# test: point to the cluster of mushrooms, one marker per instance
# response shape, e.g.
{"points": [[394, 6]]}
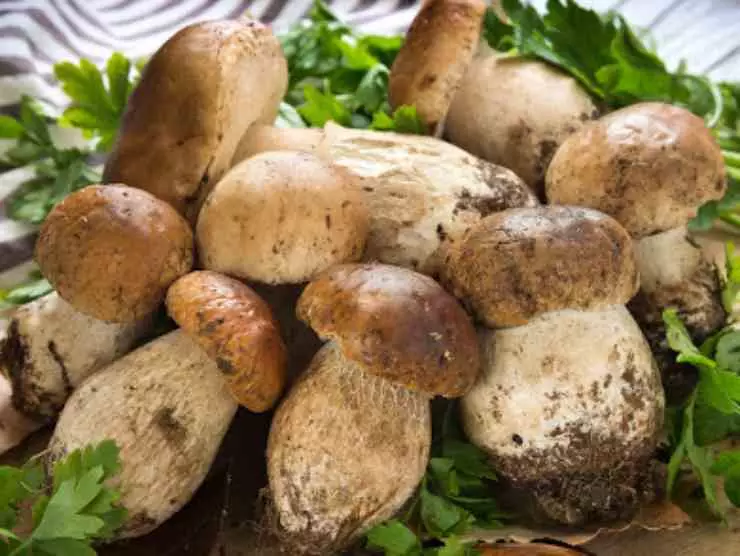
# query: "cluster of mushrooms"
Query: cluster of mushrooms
{"points": [[521, 265]]}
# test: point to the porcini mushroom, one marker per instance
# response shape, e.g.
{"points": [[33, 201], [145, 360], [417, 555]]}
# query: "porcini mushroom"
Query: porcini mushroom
{"points": [[282, 217], [350, 442], [438, 49], [569, 405], [421, 193], [167, 405], [198, 95], [650, 166], [111, 251], [508, 110]]}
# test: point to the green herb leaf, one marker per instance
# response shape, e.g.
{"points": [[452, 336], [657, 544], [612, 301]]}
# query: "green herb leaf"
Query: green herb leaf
{"points": [[10, 128], [394, 539], [441, 517]]}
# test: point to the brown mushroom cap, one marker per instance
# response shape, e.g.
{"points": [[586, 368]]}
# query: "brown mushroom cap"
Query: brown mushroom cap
{"points": [[111, 251], [198, 95], [236, 328], [649, 165], [395, 323], [432, 61], [520, 263], [282, 217]]}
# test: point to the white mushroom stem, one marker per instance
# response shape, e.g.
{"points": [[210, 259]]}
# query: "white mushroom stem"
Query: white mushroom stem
{"points": [[422, 193], [346, 450], [50, 348], [677, 272], [167, 407], [569, 407]]}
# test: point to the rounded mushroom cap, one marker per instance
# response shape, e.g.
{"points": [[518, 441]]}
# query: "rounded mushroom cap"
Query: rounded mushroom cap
{"points": [[198, 95], [520, 263], [237, 329], [438, 49], [395, 323], [282, 217], [516, 112], [570, 408], [649, 165], [111, 251]]}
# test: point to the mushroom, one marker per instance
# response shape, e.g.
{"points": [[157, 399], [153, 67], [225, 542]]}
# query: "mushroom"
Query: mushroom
{"points": [[111, 251], [421, 193], [650, 166], [198, 95], [569, 405], [438, 49], [168, 404], [50, 348], [350, 442], [508, 110], [281, 218]]}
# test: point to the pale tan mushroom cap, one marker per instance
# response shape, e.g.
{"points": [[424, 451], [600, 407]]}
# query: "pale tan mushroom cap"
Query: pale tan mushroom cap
{"points": [[111, 251], [520, 263], [438, 49], [649, 165], [197, 96], [282, 217]]}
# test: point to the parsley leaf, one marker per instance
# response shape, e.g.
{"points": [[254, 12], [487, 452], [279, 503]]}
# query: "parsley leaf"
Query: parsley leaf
{"points": [[394, 539]]}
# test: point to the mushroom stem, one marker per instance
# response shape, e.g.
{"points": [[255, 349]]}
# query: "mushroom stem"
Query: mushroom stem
{"points": [[676, 272], [167, 407], [50, 348]]}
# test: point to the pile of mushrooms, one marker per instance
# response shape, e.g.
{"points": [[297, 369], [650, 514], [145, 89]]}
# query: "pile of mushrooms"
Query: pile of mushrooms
{"points": [[379, 242]]}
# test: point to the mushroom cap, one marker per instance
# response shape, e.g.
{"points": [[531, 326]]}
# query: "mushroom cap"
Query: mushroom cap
{"points": [[520, 263], [516, 112], [111, 251], [649, 165], [236, 328], [197, 96], [432, 61], [570, 408], [282, 217], [397, 324]]}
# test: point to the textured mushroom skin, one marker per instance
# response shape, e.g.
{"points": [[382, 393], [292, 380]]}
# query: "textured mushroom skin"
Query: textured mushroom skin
{"points": [[51, 348], [282, 217], [516, 112], [650, 166], [676, 273], [570, 408], [397, 324], [197, 96], [346, 451], [438, 49], [92, 244], [422, 193], [236, 328], [520, 263], [167, 408]]}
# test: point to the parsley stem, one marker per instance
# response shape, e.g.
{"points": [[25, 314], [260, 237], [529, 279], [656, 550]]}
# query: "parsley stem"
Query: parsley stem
{"points": [[733, 172], [732, 158], [730, 218], [20, 549]]}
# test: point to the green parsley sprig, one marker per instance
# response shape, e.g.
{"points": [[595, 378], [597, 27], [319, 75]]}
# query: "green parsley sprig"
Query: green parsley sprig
{"points": [[617, 68], [69, 515], [455, 496]]}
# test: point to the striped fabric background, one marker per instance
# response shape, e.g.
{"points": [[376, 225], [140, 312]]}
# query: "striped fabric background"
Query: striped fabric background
{"points": [[34, 34]]}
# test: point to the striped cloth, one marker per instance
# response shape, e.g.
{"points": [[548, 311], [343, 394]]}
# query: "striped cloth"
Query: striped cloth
{"points": [[34, 34]]}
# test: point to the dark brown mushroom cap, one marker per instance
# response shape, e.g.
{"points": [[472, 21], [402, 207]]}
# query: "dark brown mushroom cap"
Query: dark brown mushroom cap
{"points": [[649, 165], [236, 328], [397, 324], [438, 49], [520, 263], [112, 251]]}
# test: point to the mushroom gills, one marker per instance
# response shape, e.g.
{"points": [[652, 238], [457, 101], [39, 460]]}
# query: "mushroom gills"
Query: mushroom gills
{"points": [[569, 408], [167, 407], [345, 452]]}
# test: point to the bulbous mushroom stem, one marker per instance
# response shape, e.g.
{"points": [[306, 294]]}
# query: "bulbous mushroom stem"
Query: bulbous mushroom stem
{"points": [[167, 407], [676, 272], [569, 408], [51, 348], [346, 450]]}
